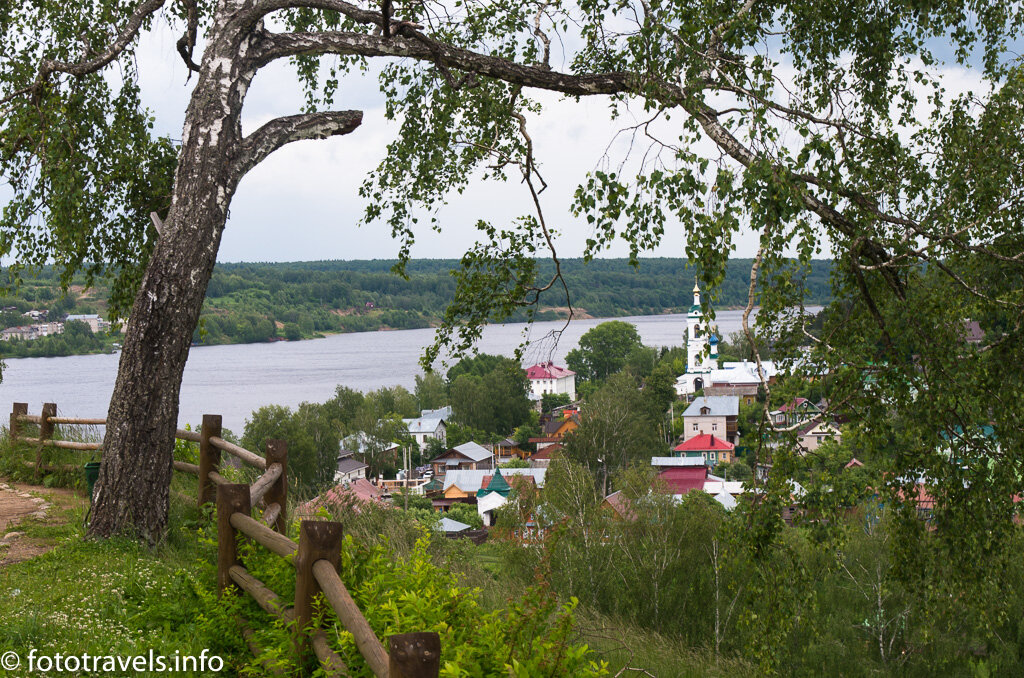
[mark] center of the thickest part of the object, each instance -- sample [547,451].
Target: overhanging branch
[282,45]
[280,131]
[187,42]
[87,66]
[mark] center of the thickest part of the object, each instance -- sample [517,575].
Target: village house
[547,378]
[354,493]
[707,447]
[678,476]
[555,427]
[465,457]
[681,474]
[740,379]
[27,332]
[714,415]
[363,444]
[95,323]
[431,424]
[21,333]
[794,413]
[464,487]
[349,468]
[542,457]
[493,494]
[815,432]
[507,450]
[972,332]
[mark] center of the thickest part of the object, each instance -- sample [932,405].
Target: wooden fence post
[414,655]
[45,432]
[277,453]
[318,540]
[230,499]
[209,458]
[17,410]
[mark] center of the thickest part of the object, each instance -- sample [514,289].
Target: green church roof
[498,484]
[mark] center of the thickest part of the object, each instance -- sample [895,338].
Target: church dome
[713,339]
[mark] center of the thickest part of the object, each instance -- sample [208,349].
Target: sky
[302,202]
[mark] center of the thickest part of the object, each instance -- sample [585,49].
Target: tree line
[256,302]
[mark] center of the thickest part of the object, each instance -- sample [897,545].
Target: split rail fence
[316,556]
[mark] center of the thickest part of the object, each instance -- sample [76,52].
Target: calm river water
[237,379]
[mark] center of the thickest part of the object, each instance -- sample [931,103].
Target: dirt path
[18,502]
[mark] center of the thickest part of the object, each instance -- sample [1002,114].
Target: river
[234,380]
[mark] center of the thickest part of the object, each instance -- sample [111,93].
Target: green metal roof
[498,484]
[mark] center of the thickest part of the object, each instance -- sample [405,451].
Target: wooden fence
[316,556]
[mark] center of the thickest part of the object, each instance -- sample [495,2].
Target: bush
[464,513]
[532,637]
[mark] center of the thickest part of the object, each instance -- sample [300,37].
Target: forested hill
[249,302]
[323,296]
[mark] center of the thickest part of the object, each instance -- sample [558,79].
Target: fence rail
[316,556]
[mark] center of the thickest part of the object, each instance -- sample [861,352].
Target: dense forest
[251,302]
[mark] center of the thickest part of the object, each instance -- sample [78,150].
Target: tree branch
[280,131]
[87,66]
[187,42]
[281,45]
[409,42]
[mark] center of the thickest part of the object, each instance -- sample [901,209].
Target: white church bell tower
[701,350]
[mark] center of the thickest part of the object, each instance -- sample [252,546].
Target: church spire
[696,294]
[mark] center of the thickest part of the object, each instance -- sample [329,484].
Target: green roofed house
[435,485]
[492,494]
[498,484]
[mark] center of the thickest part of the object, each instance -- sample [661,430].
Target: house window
[695,427]
[714,427]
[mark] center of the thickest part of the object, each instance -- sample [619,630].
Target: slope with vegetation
[118,598]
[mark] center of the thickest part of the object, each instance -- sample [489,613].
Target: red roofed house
[353,493]
[543,456]
[681,474]
[707,447]
[550,378]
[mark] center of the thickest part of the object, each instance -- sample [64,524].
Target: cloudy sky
[302,202]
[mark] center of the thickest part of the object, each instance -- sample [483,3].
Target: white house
[430,424]
[95,323]
[550,378]
[349,468]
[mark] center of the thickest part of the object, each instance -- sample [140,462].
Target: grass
[633,651]
[115,597]
[119,598]
[629,649]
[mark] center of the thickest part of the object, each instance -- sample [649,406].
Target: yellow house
[455,492]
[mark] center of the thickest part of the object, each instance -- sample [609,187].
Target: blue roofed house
[431,424]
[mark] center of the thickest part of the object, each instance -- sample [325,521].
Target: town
[704,449]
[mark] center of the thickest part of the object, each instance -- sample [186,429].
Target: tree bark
[132,494]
